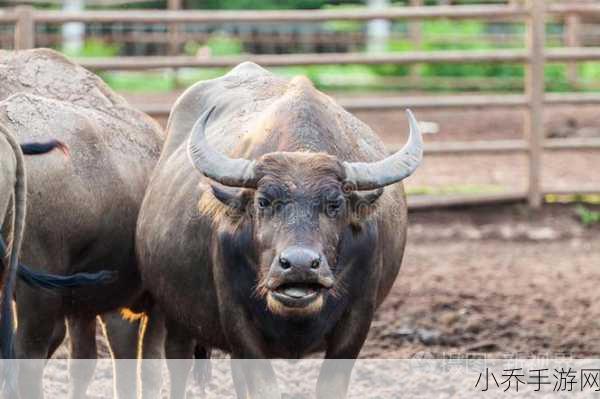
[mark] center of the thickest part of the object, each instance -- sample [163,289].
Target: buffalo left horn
[233,172]
[392,169]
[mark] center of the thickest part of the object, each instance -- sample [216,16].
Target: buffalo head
[300,203]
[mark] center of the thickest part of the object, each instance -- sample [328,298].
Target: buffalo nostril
[315,263]
[284,262]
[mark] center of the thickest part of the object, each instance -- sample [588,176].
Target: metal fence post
[24,28]
[536,35]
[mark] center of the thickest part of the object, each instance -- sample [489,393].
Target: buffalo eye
[234,198]
[333,207]
[263,203]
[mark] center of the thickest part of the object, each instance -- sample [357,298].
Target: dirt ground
[496,280]
[491,281]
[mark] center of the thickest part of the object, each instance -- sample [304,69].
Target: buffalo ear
[235,198]
[362,204]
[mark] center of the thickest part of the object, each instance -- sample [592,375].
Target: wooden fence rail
[535,13]
[459,57]
[490,12]
[197,16]
[414,57]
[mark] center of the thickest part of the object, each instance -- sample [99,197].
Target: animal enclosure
[497,256]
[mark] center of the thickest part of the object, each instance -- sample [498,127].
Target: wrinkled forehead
[294,174]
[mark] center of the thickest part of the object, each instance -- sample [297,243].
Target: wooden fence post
[24,28]
[174,28]
[572,28]
[415,33]
[536,40]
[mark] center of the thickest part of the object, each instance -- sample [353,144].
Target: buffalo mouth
[297,295]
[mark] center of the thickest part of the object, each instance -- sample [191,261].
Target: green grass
[95,48]
[342,78]
[219,45]
[587,216]
[584,202]
[151,82]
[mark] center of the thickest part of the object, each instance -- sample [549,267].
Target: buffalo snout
[297,280]
[299,258]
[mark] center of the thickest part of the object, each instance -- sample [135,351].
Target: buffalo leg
[334,378]
[260,379]
[179,351]
[38,314]
[58,336]
[82,364]
[122,336]
[202,367]
[343,348]
[151,351]
[239,381]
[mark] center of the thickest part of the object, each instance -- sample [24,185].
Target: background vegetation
[436,35]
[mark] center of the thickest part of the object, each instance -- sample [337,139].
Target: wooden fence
[534,56]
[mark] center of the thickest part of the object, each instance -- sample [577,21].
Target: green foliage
[437,35]
[219,45]
[589,71]
[325,77]
[555,76]
[139,81]
[587,216]
[224,45]
[466,29]
[343,26]
[188,76]
[328,77]
[442,27]
[395,46]
[95,48]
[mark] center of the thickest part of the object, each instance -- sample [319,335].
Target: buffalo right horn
[398,166]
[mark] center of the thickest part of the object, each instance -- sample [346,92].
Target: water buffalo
[286,241]
[29,275]
[9,164]
[12,156]
[13,185]
[8,167]
[81,214]
[12,222]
